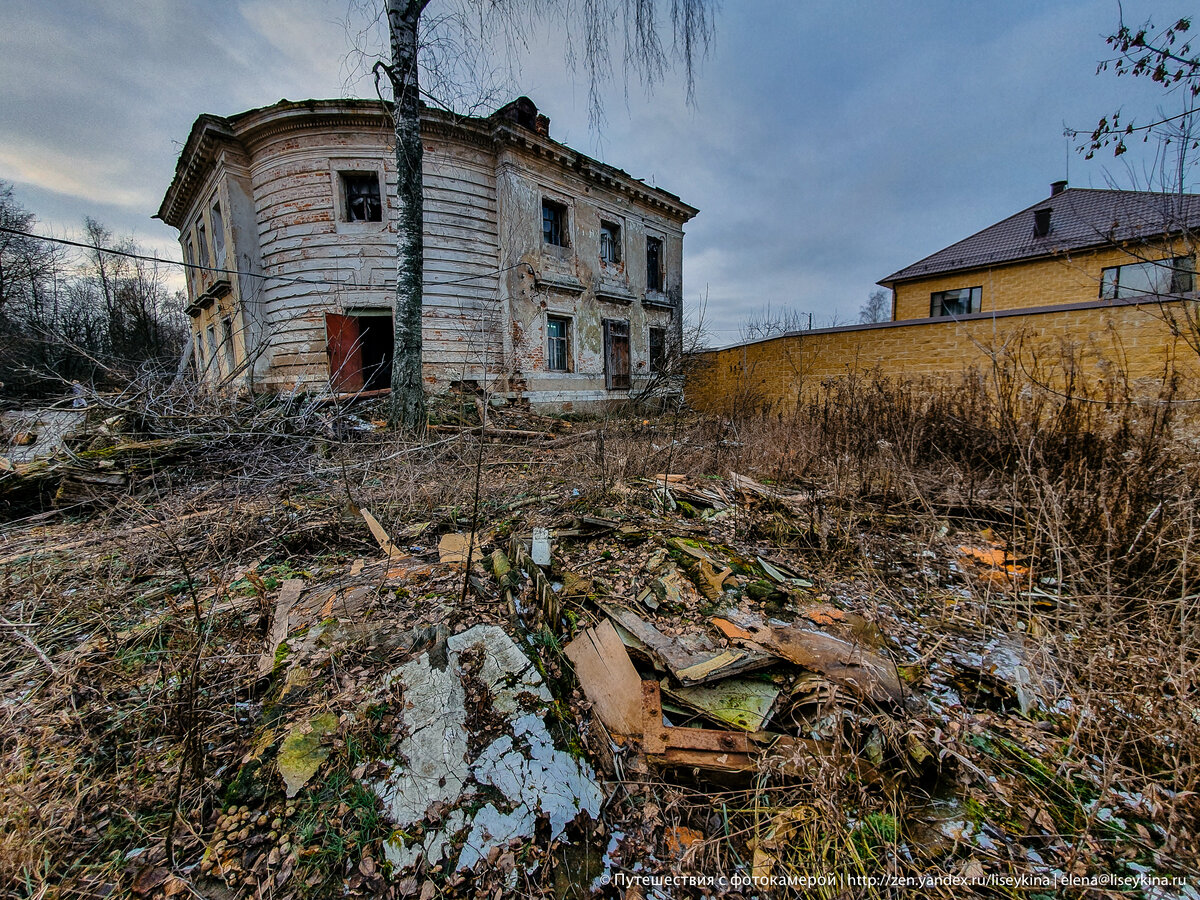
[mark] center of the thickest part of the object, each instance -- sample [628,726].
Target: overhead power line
[290,279]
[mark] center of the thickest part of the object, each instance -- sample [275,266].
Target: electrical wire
[289,279]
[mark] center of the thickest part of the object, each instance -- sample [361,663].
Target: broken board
[744,703]
[687,664]
[608,678]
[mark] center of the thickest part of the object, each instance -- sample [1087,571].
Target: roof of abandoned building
[515,122]
[1080,218]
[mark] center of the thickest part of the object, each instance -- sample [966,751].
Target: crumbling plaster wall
[546,280]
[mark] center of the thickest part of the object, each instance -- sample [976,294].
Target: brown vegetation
[1024,556]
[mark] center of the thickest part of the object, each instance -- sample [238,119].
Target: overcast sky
[830,143]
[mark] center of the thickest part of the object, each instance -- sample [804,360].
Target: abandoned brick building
[548,276]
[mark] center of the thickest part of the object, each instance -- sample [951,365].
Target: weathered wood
[609,680]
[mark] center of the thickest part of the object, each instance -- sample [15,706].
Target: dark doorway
[360,351]
[616,354]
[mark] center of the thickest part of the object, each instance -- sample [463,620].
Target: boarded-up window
[654,273]
[558,344]
[361,193]
[658,349]
[616,354]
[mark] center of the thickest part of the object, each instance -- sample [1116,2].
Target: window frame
[658,361]
[344,177]
[657,283]
[613,231]
[557,343]
[563,221]
[202,241]
[937,302]
[217,218]
[1180,268]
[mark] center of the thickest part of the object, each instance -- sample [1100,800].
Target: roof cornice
[247,132]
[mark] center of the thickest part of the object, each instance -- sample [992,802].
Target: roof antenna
[1067,160]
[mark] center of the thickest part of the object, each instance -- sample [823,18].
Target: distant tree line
[70,314]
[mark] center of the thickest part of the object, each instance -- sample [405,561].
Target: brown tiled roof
[1080,218]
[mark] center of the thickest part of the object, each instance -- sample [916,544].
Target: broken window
[189,254]
[218,224]
[212,346]
[616,354]
[658,349]
[554,223]
[654,255]
[1164,276]
[558,344]
[227,343]
[961,302]
[202,242]
[361,193]
[610,242]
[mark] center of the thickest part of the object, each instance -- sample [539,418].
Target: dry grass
[1091,497]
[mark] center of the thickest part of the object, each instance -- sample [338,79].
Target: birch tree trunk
[408,390]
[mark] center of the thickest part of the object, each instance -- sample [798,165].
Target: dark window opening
[961,302]
[202,243]
[654,255]
[1165,276]
[610,242]
[360,351]
[363,202]
[218,224]
[558,344]
[658,349]
[554,223]
[227,343]
[616,354]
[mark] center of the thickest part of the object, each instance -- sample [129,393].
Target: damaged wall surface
[548,276]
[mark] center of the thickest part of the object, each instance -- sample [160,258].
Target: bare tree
[878,308]
[588,28]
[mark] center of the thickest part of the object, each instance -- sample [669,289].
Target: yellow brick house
[1109,273]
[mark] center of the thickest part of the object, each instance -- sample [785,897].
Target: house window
[1165,276]
[360,191]
[961,302]
[212,346]
[202,242]
[558,344]
[654,255]
[610,242]
[658,349]
[554,223]
[227,342]
[218,224]
[189,253]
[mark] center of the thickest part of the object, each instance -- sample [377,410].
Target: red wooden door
[345,352]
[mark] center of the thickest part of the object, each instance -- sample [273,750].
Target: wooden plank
[289,593]
[687,665]
[380,535]
[850,665]
[608,678]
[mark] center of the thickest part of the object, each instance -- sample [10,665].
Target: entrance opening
[360,351]
[616,354]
